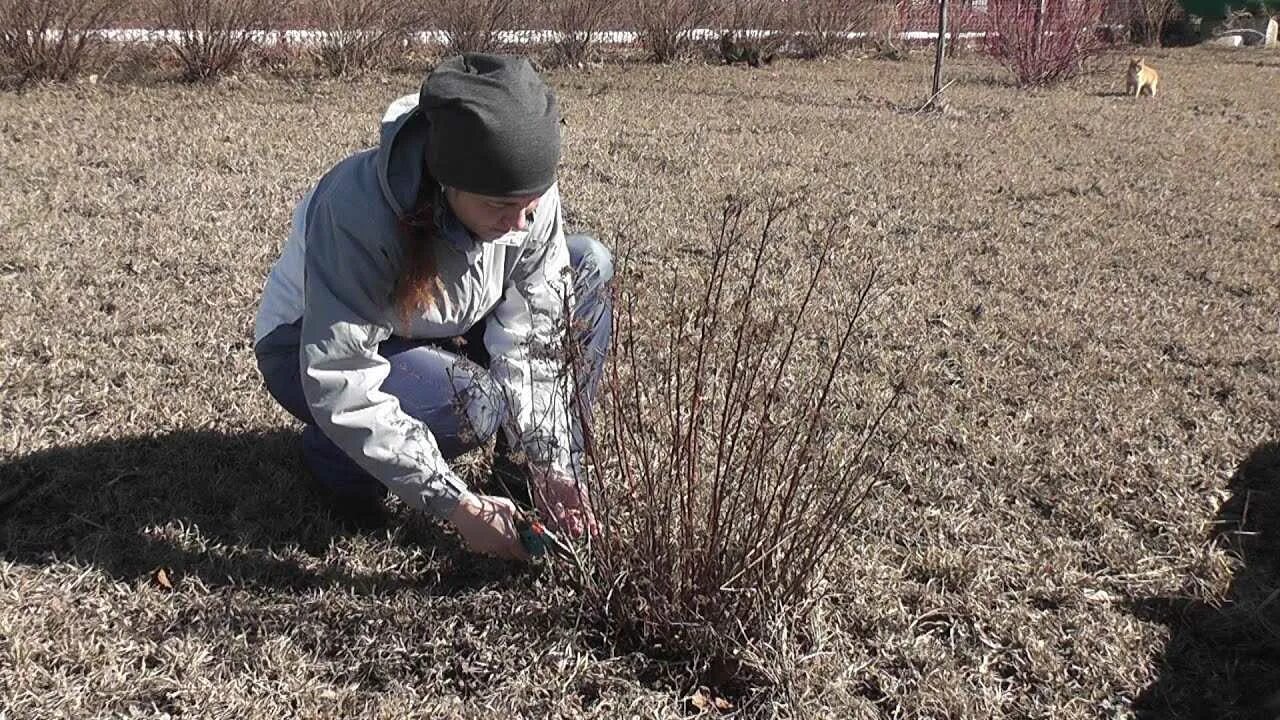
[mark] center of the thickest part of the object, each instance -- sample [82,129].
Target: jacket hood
[402,166]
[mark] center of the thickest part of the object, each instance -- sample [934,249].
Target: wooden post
[942,45]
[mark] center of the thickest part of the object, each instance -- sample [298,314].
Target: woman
[423,300]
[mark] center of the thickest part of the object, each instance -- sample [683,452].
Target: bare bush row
[54,40]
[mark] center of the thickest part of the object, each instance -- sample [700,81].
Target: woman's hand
[488,526]
[563,504]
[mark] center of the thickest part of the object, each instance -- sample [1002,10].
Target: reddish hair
[418,286]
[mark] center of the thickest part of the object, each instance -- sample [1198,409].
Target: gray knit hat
[494,125]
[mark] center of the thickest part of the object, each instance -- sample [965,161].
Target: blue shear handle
[535,543]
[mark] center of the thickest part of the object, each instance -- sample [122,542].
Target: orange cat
[1142,76]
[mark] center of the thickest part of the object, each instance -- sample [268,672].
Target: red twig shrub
[664,25]
[360,32]
[212,37]
[1046,51]
[732,469]
[578,23]
[823,27]
[962,18]
[747,15]
[50,39]
[751,28]
[474,25]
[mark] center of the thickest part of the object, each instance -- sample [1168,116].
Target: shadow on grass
[230,509]
[1224,661]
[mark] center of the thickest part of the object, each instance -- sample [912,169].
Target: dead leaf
[701,699]
[160,576]
[704,699]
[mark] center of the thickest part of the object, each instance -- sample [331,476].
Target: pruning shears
[538,540]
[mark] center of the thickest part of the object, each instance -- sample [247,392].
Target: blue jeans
[451,392]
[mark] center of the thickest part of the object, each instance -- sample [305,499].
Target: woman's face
[489,218]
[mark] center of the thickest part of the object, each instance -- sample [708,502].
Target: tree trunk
[942,45]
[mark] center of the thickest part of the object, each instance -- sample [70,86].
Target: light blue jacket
[337,274]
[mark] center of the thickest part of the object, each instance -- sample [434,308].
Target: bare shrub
[732,472]
[1041,50]
[358,33]
[50,39]
[962,17]
[141,62]
[282,57]
[418,53]
[822,27]
[1115,26]
[664,25]
[578,24]
[1149,17]
[752,30]
[473,25]
[212,37]
[746,15]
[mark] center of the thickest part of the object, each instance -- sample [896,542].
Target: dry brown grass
[1090,280]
